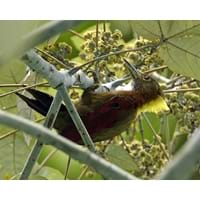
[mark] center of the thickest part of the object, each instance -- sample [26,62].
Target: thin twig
[104,26]
[118,52]
[15,177]
[162,127]
[182,90]
[45,160]
[172,81]
[155,69]
[9,107]
[97,47]
[141,129]
[14,153]
[168,135]
[67,167]
[182,83]
[13,85]
[124,144]
[83,173]
[76,33]
[21,89]
[53,58]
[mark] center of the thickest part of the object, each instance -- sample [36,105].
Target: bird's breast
[105,121]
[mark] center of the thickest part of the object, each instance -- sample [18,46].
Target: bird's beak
[132,69]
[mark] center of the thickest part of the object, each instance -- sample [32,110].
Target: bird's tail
[41,103]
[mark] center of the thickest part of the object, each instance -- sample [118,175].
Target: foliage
[138,150]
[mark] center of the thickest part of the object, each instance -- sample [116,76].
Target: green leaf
[178,141]
[12,72]
[155,121]
[117,155]
[124,27]
[180,49]
[67,36]
[50,173]
[167,128]
[182,56]
[13,31]
[13,154]
[154,29]
[59,162]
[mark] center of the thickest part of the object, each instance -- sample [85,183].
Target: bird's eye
[147,78]
[115,105]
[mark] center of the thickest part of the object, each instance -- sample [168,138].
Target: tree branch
[108,170]
[36,37]
[183,164]
[49,121]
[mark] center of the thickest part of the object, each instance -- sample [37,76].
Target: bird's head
[149,89]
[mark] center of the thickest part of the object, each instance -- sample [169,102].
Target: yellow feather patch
[157,105]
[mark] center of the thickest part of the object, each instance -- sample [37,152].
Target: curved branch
[36,37]
[108,170]
[183,164]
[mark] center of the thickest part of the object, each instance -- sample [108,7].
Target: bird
[104,114]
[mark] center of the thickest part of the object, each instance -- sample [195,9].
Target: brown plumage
[104,114]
